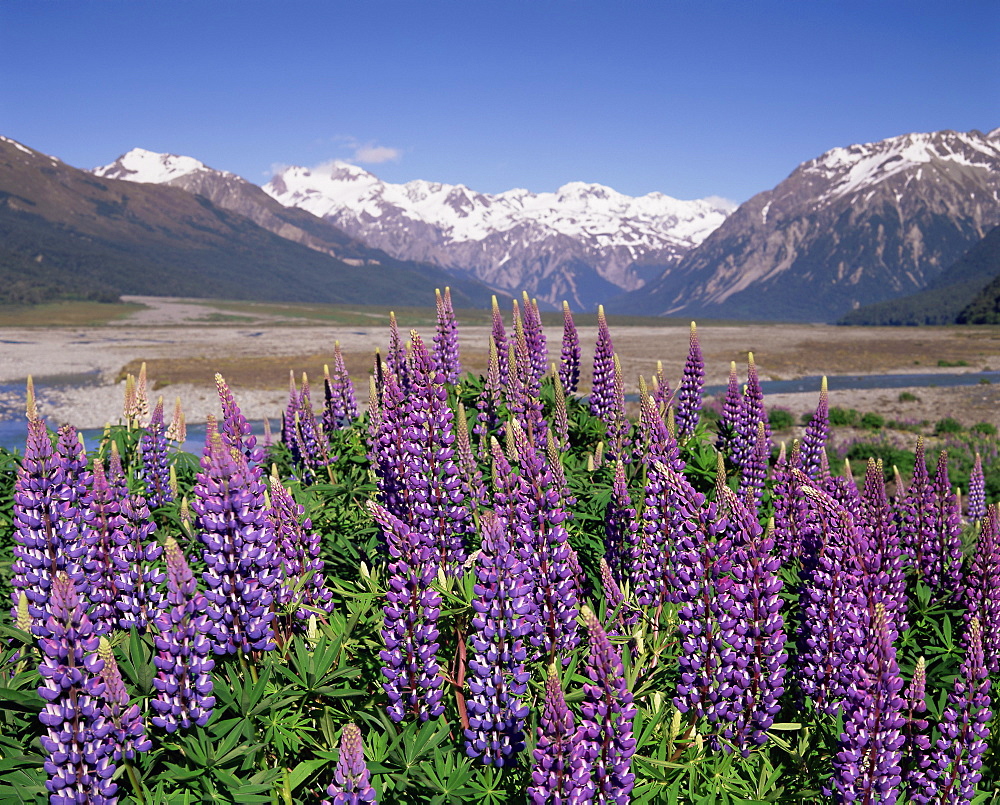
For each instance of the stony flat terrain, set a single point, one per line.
(186, 342)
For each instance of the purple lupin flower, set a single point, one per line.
(497, 678)
(662, 395)
(977, 491)
(446, 357)
(618, 614)
(915, 526)
(650, 572)
(706, 618)
(488, 402)
(535, 337)
(942, 550)
(290, 436)
(753, 472)
(351, 779)
(832, 596)
(560, 417)
(238, 550)
(312, 450)
(46, 531)
(621, 529)
(602, 388)
(605, 730)
(544, 548)
(884, 560)
(234, 428)
(689, 395)
(617, 421)
(341, 407)
(732, 405)
(153, 454)
(980, 591)
(569, 357)
(413, 683)
(184, 663)
(814, 441)
(107, 561)
(561, 775)
(957, 757)
(467, 463)
(128, 734)
(751, 416)
(868, 766)
(500, 340)
(791, 511)
(395, 358)
(916, 743)
(298, 549)
(139, 596)
(759, 640)
(79, 756)
(522, 389)
(436, 497)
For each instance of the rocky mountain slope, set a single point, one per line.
(857, 225)
(65, 233)
(945, 296)
(583, 243)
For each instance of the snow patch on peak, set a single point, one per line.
(849, 169)
(579, 210)
(16, 144)
(140, 165)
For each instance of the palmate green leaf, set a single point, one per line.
(23, 787)
(135, 660)
(304, 770)
(448, 776)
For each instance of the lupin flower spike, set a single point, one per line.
(569, 363)
(351, 779)
(31, 408)
(689, 395)
(177, 430)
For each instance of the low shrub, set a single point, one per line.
(844, 417)
(872, 421)
(947, 425)
(780, 419)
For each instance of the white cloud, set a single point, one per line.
(372, 154)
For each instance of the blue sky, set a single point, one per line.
(688, 98)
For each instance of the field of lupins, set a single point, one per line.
(491, 590)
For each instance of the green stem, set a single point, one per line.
(134, 779)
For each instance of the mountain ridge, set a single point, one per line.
(856, 225)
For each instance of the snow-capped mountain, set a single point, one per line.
(854, 226)
(233, 193)
(583, 242)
